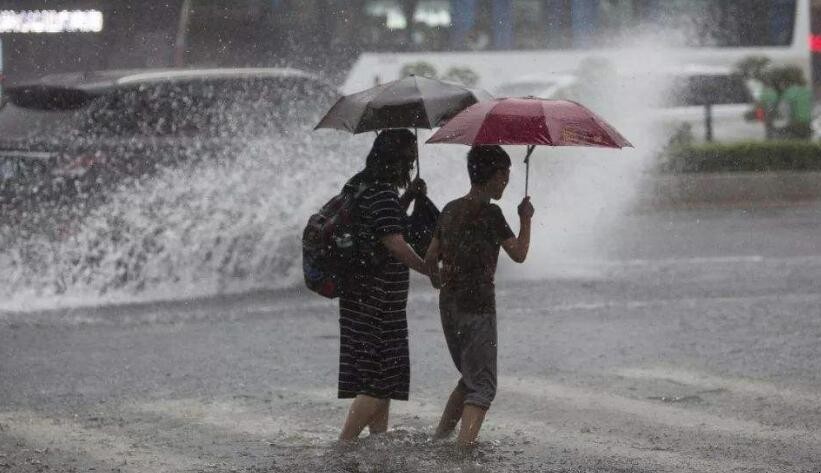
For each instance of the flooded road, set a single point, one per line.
(696, 347)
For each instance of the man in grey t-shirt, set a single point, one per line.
(466, 241)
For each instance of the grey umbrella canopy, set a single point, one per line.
(412, 102)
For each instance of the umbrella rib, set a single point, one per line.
(425, 104)
(427, 121)
(419, 99)
(359, 128)
(431, 123)
(484, 122)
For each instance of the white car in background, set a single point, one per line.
(688, 89)
(549, 86)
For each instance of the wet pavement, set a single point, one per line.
(694, 347)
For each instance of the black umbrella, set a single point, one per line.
(412, 102)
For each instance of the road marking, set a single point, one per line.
(742, 259)
(654, 413)
(707, 382)
(66, 435)
(638, 304)
(692, 260)
(235, 417)
(597, 445)
(608, 269)
(285, 427)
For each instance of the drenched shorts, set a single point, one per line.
(471, 339)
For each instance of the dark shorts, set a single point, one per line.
(471, 339)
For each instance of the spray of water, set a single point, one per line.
(582, 193)
(230, 225)
(208, 228)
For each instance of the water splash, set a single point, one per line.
(580, 194)
(206, 228)
(233, 224)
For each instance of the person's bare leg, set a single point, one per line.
(363, 409)
(379, 423)
(452, 413)
(472, 418)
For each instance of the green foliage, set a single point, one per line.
(753, 67)
(783, 77)
(742, 157)
(463, 75)
(761, 69)
(421, 69)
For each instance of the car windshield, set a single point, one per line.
(176, 108)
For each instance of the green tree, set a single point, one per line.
(753, 67)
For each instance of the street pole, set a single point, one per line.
(708, 122)
(182, 33)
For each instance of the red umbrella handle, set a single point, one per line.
(530, 149)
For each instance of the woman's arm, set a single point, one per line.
(399, 248)
(432, 263)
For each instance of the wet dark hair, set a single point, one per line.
(484, 161)
(385, 161)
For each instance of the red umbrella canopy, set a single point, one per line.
(529, 121)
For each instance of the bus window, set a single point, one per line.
(437, 25)
(532, 24)
(401, 25)
(727, 23)
(556, 35)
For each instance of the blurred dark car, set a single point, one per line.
(73, 134)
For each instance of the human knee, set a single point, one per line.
(480, 394)
(461, 387)
(478, 401)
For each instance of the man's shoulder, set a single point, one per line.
(495, 210)
(453, 205)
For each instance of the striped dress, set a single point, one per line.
(374, 357)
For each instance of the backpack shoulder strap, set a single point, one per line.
(355, 188)
(360, 189)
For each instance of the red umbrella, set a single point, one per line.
(529, 121)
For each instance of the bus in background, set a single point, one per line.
(493, 42)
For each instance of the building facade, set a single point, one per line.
(327, 35)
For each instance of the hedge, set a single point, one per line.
(742, 157)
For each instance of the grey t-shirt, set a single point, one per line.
(470, 234)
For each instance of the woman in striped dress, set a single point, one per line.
(374, 365)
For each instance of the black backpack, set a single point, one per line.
(330, 254)
(421, 225)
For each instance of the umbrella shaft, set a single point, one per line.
(527, 175)
(530, 149)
